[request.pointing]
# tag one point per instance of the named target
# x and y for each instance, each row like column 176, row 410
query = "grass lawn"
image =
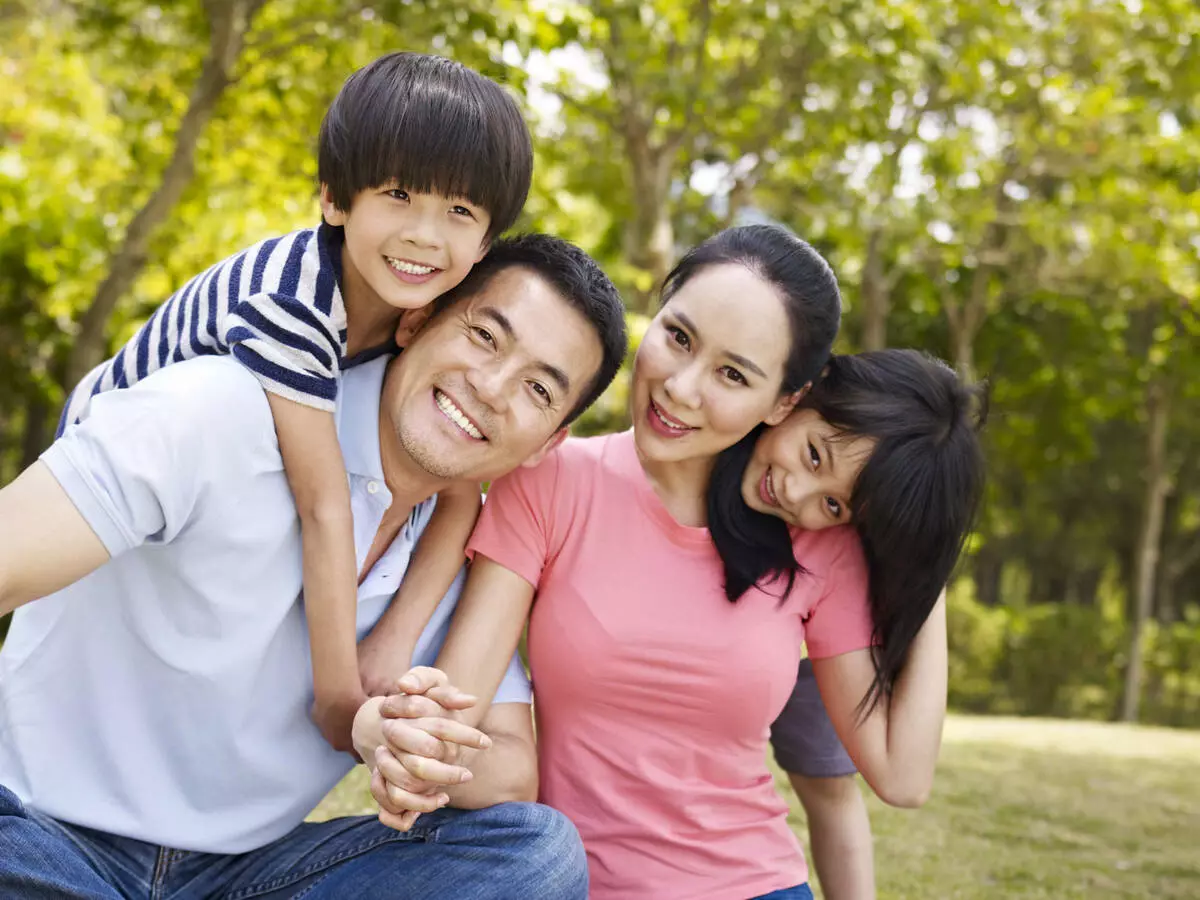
column 1030, row 808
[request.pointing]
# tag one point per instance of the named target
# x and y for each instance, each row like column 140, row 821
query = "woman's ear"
column 785, row 405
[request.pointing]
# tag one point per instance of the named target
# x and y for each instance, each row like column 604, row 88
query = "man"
column 153, row 707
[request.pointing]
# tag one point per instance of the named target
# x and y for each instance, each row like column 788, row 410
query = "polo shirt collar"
column 360, row 389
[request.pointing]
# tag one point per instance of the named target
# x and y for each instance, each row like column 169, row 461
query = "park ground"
column 1025, row 808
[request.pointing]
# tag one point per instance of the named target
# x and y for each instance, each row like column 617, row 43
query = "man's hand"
column 334, row 716
column 412, row 741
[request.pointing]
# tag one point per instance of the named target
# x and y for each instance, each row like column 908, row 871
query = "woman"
column 654, row 691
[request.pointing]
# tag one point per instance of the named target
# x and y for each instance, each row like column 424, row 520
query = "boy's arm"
column 45, row 543
column 386, row 653
column 316, row 473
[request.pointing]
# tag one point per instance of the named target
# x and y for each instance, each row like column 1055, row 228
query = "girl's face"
column 803, row 472
column 711, row 366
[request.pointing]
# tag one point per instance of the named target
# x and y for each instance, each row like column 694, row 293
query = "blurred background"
column 1010, row 185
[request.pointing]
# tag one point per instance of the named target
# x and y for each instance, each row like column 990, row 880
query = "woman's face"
column 711, row 365
column 804, row 472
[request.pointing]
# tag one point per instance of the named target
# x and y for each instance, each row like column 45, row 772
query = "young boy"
column 422, row 162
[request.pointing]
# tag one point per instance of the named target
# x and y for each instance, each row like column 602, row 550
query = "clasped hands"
column 416, row 745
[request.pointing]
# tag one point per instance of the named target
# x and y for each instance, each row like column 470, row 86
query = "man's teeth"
column 671, row 425
column 408, row 268
column 457, row 416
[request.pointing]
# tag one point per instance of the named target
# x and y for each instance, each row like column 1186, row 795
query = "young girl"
column 669, row 618
column 421, row 162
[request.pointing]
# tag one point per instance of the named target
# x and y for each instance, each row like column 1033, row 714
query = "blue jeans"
column 513, row 849
column 799, row 892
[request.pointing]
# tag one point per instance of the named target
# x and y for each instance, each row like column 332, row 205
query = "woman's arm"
column 896, row 746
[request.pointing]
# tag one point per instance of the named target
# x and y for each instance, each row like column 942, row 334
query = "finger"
column 380, row 795
column 434, row 770
column 410, row 706
column 431, row 737
column 400, row 823
column 419, row 679
column 452, row 731
column 398, row 801
column 395, row 773
column 451, row 697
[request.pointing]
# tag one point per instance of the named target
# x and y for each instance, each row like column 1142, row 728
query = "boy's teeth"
column 408, row 268
column 457, row 416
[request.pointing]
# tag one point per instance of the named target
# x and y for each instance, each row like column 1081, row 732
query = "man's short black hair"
column 578, row 280
column 434, row 126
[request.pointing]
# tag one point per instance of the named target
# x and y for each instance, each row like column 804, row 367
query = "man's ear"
column 412, row 321
column 786, row 404
column 329, row 210
column 546, row 449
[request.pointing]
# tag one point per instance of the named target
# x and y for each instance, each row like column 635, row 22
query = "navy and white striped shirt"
column 277, row 307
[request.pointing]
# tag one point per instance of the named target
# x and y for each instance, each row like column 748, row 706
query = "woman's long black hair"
column 912, row 505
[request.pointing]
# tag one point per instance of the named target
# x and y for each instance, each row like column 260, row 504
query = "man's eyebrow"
column 557, row 375
column 736, row 357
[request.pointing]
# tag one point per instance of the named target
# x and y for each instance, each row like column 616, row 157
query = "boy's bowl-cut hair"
column 432, row 125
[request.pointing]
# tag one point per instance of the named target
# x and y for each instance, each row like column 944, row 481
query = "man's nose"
column 491, row 384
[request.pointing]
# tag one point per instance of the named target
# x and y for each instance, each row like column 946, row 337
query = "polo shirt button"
column 372, row 487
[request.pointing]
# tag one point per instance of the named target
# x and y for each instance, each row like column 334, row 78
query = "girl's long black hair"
column 912, row 505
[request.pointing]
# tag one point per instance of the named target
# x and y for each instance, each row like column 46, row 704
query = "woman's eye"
column 484, row 335
column 733, row 375
column 813, row 456
column 677, row 335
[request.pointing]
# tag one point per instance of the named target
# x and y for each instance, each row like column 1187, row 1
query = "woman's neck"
column 682, row 486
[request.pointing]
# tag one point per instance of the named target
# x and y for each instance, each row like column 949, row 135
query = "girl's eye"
column 484, row 335
column 678, row 336
column 462, row 211
column 813, row 456
column 835, row 508
column 733, row 375
column 398, row 194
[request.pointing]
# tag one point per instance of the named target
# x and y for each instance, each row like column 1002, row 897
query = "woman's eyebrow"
column 736, row 357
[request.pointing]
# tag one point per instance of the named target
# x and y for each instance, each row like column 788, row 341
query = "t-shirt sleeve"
column 137, row 466
column 516, row 526
column 293, row 348
column 841, row 618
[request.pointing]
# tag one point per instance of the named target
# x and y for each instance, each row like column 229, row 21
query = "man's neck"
column 408, row 483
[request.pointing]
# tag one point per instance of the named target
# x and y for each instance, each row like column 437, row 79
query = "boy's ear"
column 546, row 449
column 412, row 321
column 786, row 404
column 329, row 210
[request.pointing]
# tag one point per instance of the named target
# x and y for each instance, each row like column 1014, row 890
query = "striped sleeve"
column 294, row 348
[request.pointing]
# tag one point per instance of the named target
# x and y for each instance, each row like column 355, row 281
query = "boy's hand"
column 383, row 656
column 334, row 714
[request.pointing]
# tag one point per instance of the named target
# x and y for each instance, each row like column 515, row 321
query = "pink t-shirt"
column 654, row 694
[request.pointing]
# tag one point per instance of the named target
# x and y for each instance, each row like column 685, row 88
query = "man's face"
column 487, row 384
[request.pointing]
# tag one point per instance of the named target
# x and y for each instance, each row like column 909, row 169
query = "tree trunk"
column 650, row 234
column 229, row 20
column 34, row 440
column 1149, row 538
column 875, row 295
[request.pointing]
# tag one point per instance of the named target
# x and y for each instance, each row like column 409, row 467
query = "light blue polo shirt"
column 165, row 696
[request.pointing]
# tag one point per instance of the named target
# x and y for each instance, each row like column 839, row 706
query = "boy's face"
column 405, row 249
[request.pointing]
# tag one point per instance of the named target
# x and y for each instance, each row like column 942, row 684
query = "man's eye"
column 484, row 335
column 540, row 390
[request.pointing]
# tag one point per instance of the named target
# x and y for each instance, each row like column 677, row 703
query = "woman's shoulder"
column 596, row 452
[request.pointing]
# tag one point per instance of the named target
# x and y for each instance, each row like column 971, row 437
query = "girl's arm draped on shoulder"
column 386, row 653
column 896, row 745
column 316, row 473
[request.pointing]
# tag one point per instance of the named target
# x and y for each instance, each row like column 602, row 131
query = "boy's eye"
column 397, row 194
column 462, row 211
column 678, row 336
